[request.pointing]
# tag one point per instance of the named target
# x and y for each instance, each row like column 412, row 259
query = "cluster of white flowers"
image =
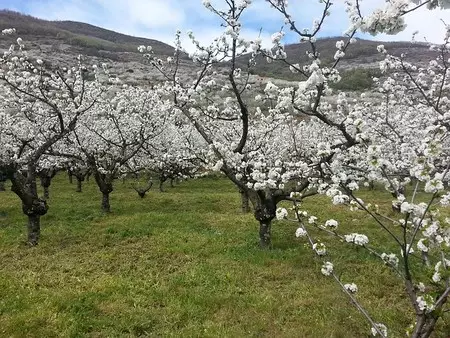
column 357, row 239
column 379, row 327
column 300, row 232
column 320, row 248
column 425, row 303
column 351, row 287
column 281, row 213
column 327, row 268
column 332, row 224
column 8, row 31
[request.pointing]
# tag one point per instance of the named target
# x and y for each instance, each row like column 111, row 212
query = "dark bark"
column 24, row 186
column 46, row 176
column 46, row 193
column 104, row 182
column 425, row 325
column 70, row 174
column 105, row 202
column 2, row 186
column 143, row 190
column 34, row 229
column 80, row 174
column 245, row 202
column 79, row 184
column 265, row 211
column 161, row 182
column 265, row 234
column 45, row 183
column 171, row 183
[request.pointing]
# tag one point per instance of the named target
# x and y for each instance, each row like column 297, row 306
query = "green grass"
column 183, row 263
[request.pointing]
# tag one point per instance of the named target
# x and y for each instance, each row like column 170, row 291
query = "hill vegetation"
column 66, row 39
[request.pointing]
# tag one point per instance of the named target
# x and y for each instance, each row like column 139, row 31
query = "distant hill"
column 59, row 42
column 362, row 54
column 82, row 37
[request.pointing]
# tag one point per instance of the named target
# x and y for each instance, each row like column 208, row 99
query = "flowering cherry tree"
column 108, row 138
column 78, row 168
column 302, row 139
column 47, row 168
column 40, row 107
column 400, row 138
column 250, row 146
column 177, row 153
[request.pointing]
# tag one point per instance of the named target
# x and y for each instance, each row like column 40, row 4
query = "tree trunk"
column 105, row 185
column 171, row 183
column 34, row 210
column 105, row 202
column 161, row 185
column 46, row 192
column 2, row 186
column 25, row 188
column 264, row 234
column 34, row 229
column 69, row 173
column 245, row 202
column 79, row 184
column 424, row 327
column 46, row 176
column 265, row 211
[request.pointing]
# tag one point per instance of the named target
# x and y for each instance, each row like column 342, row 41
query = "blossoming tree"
column 108, row 138
column 298, row 141
column 40, row 107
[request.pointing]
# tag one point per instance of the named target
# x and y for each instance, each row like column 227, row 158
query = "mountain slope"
column 362, row 54
column 60, row 42
column 84, row 37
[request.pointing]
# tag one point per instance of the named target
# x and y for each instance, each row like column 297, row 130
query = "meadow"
column 187, row 263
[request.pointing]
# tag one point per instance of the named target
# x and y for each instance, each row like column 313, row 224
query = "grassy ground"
column 182, row 263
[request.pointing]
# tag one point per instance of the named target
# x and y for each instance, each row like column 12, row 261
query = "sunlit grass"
column 184, row 263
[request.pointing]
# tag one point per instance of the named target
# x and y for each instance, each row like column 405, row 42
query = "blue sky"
column 159, row 19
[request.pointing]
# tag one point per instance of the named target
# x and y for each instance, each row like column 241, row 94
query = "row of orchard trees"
column 79, row 118
column 284, row 144
column 304, row 139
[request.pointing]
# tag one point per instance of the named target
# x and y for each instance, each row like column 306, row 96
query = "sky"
column 159, row 19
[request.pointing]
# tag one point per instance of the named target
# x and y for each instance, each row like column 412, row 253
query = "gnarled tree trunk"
column 46, row 175
column 106, row 207
column 24, row 186
column 265, row 211
column 104, row 182
column 45, row 183
column 70, row 175
column 79, row 184
column 80, row 174
column 161, row 182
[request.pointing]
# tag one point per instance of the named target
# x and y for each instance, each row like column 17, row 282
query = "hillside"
column 362, row 54
column 81, row 37
column 61, row 41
